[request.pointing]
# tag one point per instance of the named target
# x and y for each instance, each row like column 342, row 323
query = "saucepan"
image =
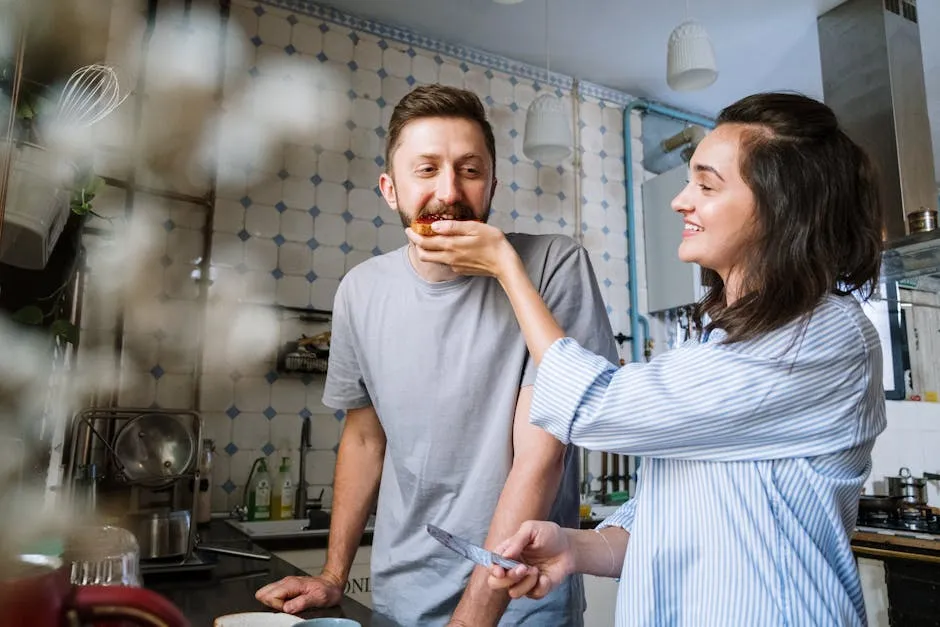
column 160, row 533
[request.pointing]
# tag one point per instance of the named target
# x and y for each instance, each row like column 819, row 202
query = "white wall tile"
column 274, row 30
column 364, row 172
column 424, row 68
column 329, row 230
column 329, row 262
column 396, row 62
column 293, row 291
column 337, row 45
column 322, row 293
column 296, row 226
column 294, row 258
column 332, row 198
column 260, row 254
column 364, row 204
column 289, row 396
column 361, row 235
column 262, row 221
column 368, row 55
column 334, row 167
column 307, row 38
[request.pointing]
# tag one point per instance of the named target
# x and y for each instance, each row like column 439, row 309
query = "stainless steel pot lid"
column 154, row 448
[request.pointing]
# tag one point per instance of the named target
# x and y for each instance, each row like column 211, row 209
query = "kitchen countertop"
column 230, row 586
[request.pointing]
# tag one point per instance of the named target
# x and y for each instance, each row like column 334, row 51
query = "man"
column 433, row 374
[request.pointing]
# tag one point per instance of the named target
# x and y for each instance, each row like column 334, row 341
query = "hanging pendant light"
column 690, row 64
column 547, row 133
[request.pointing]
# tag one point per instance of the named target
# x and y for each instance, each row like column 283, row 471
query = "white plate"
column 257, row 619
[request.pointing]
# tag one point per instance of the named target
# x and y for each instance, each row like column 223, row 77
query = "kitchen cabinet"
column 311, row 561
column 670, row 282
column 601, row 596
column 874, row 590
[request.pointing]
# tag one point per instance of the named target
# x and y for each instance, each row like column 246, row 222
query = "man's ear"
column 387, row 187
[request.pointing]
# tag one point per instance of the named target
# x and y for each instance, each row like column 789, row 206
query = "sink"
column 286, row 529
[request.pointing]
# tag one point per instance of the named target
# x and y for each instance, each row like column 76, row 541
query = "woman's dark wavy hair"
column 818, row 216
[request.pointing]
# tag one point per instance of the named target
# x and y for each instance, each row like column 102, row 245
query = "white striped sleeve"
column 713, row 401
column 622, row 518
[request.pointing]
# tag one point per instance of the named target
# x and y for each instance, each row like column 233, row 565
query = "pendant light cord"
column 548, row 56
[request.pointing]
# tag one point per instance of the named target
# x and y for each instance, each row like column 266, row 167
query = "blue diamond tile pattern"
column 244, row 235
column 232, row 412
column 229, row 487
column 230, row 448
column 347, row 217
column 290, row 49
column 169, row 225
column 305, row 413
column 376, row 251
column 312, row 243
column 268, row 449
column 280, row 206
column 311, row 276
column 346, row 248
column 269, row 413
column 157, row 371
column 277, row 274
column 322, row 58
column 377, row 221
column 315, row 179
column 245, row 201
column 271, row 377
column 339, row 414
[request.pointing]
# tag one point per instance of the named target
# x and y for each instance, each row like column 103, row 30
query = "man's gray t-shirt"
column 442, row 363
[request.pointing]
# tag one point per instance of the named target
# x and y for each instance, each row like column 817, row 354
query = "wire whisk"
column 90, row 95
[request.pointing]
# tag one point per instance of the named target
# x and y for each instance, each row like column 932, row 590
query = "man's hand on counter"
column 296, row 594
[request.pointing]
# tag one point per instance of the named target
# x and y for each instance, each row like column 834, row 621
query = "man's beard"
column 459, row 211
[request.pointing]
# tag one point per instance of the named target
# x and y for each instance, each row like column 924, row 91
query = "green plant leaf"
column 66, row 330
column 31, row 314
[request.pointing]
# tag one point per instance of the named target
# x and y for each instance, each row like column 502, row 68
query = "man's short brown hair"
column 437, row 101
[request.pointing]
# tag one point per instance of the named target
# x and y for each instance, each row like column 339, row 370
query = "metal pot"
column 912, row 490
column 161, row 534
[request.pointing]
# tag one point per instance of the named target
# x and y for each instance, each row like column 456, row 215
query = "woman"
column 756, row 439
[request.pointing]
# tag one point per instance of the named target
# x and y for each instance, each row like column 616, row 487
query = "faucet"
column 300, row 504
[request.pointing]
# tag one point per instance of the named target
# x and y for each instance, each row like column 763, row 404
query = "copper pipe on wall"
column 614, row 472
column 205, row 263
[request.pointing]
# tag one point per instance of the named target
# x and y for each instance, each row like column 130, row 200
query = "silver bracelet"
column 609, row 550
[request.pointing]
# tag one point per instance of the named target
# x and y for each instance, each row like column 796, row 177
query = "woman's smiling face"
column 717, row 206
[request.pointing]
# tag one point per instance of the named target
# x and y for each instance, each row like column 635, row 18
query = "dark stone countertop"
column 230, row 586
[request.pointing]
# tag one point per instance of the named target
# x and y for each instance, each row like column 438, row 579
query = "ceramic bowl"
column 257, row 619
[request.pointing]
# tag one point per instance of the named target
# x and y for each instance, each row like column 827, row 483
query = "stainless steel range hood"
column 873, row 78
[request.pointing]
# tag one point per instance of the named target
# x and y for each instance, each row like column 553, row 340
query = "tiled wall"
column 912, row 440
column 288, row 227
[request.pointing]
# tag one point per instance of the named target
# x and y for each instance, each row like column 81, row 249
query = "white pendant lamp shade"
column 691, row 58
column 547, row 134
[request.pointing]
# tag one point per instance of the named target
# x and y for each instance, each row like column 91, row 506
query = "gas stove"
column 913, row 521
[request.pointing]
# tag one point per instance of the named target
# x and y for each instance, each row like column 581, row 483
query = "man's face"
column 441, row 166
